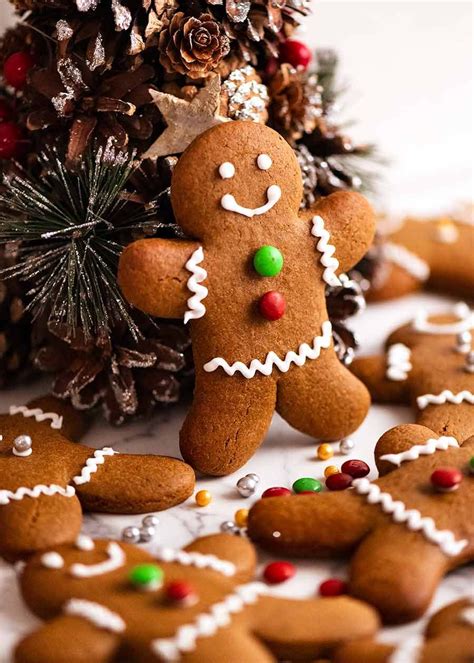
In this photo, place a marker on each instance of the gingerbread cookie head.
(228, 177)
(114, 600)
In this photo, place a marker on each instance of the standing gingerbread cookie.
(252, 287)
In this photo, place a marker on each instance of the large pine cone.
(192, 46)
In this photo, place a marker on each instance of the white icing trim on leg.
(115, 559)
(96, 614)
(398, 362)
(411, 518)
(327, 251)
(272, 360)
(407, 260)
(446, 396)
(196, 559)
(92, 465)
(196, 308)
(417, 450)
(38, 414)
(7, 496)
(460, 310)
(208, 623)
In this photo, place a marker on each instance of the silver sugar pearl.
(463, 342)
(246, 486)
(346, 446)
(22, 445)
(253, 476)
(150, 521)
(229, 527)
(147, 534)
(131, 534)
(469, 366)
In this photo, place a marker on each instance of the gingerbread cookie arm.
(350, 222)
(153, 275)
(238, 551)
(364, 651)
(405, 443)
(374, 372)
(68, 638)
(308, 629)
(70, 422)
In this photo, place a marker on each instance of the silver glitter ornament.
(22, 445)
(131, 534)
(147, 534)
(463, 342)
(229, 527)
(346, 446)
(469, 366)
(246, 486)
(150, 521)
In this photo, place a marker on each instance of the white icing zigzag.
(327, 251)
(460, 310)
(272, 360)
(95, 613)
(405, 259)
(412, 518)
(398, 362)
(207, 624)
(92, 465)
(198, 274)
(196, 559)
(417, 450)
(7, 496)
(38, 414)
(116, 559)
(445, 396)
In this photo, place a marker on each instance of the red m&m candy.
(272, 305)
(356, 468)
(446, 479)
(333, 587)
(276, 491)
(277, 572)
(181, 592)
(339, 481)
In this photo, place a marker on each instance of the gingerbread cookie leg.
(322, 399)
(227, 421)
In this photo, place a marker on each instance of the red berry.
(277, 572)
(295, 53)
(339, 481)
(16, 68)
(6, 112)
(356, 468)
(181, 591)
(271, 67)
(446, 478)
(272, 305)
(333, 587)
(10, 140)
(276, 491)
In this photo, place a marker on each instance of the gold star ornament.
(185, 119)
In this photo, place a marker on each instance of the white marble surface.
(285, 456)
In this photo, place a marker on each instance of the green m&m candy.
(146, 577)
(268, 261)
(307, 485)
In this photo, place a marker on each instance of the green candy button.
(268, 261)
(307, 484)
(147, 576)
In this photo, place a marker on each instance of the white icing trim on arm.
(446, 396)
(7, 496)
(327, 251)
(196, 559)
(196, 308)
(272, 360)
(460, 310)
(95, 613)
(229, 203)
(208, 623)
(115, 559)
(398, 362)
(411, 518)
(417, 450)
(407, 260)
(92, 465)
(38, 414)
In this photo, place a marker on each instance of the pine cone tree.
(343, 302)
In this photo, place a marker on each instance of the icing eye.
(264, 162)
(227, 170)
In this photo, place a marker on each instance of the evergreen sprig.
(71, 228)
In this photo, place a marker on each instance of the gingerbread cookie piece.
(45, 478)
(429, 364)
(449, 636)
(405, 532)
(117, 602)
(252, 287)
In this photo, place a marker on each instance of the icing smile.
(229, 203)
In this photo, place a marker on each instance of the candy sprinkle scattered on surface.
(203, 498)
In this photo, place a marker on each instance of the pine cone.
(343, 302)
(244, 96)
(192, 46)
(125, 378)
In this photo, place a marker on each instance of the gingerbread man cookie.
(429, 364)
(253, 290)
(45, 478)
(405, 531)
(449, 636)
(117, 602)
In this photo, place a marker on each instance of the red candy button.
(356, 468)
(180, 591)
(333, 587)
(278, 572)
(276, 491)
(272, 305)
(446, 479)
(339, 481)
